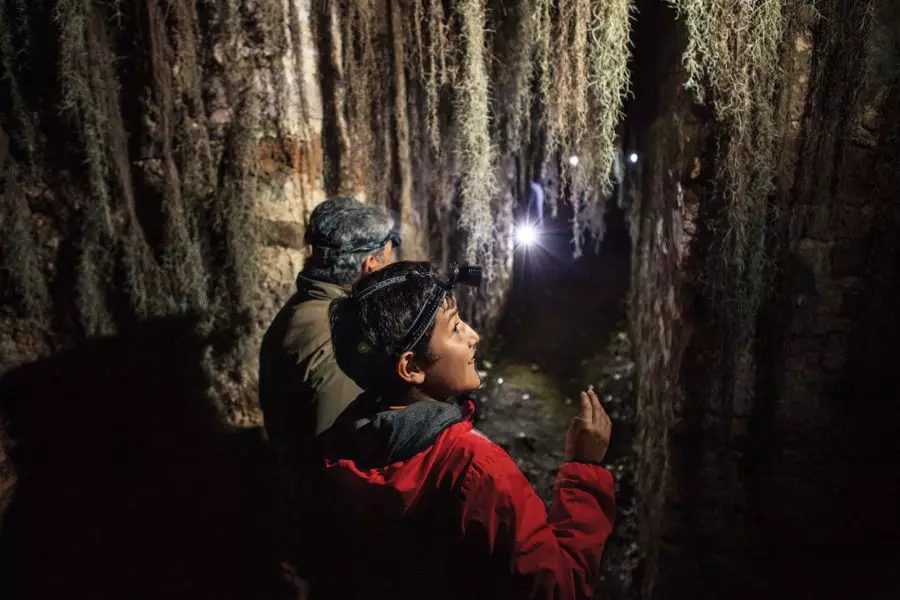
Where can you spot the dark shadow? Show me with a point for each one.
(129, 486)
(332, 89)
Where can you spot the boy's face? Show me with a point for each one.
(453, 345)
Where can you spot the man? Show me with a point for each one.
(535, 202)
(301, 388)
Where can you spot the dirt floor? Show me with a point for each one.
(564, 331)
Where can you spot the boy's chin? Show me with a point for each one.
(469, 384)
(475, 382)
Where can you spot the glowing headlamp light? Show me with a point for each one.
(526, 235)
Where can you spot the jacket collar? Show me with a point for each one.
(317, 289)
(373, 437)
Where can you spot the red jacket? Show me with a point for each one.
(421, 505)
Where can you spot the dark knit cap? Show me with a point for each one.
(344, 225)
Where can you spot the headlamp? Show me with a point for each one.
(526, 234)
(469, 275)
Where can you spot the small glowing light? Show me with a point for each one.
(526, 234)
(573, 160)
(633, 158)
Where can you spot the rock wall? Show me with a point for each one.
(666, 130)
(824, 420)
(158, 160)
(789, 491)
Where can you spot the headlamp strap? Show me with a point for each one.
(380, 286)
(425, 317)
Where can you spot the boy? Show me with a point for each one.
(420, 505)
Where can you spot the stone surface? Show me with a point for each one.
(791, 486)
(211, 136)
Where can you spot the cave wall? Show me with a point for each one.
(158, 160)
(789, 488)
(822, 430)
(666, 129)
(158, 164)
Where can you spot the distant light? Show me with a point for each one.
(633, 158)
(573, 160)
(526, 235)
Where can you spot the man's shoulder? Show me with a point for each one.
(309, 326)
(300, 328)
(310, 304)
(309, 309)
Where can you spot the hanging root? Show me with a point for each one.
(435, 77)
(572, 53)
(584, 91)
(84, 102)
(608, 53)
(19, 252)
(477, 150)
(21, 125)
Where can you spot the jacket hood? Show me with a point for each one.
(373, 438)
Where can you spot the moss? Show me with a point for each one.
(20, 122)
(19, 252)
(470, 70)
(477, 149)
(588, 82)
(84, 100)
(733, 60)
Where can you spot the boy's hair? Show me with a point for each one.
(367, 334)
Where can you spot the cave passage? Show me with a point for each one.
(564, 330)
(159, 162)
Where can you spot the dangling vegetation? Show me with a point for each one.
(14, 20)
(733, 61)
(17, 246)
(113, 156)
(166, 107)
(477, 151)
(84, 59)
(483, 80)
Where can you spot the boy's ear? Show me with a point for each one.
(408, 370)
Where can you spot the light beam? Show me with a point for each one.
(526, 235)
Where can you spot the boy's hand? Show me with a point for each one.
(588, 435)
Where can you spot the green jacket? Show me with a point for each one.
(302, 390)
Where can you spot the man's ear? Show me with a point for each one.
(409, 371)
(372, 263)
